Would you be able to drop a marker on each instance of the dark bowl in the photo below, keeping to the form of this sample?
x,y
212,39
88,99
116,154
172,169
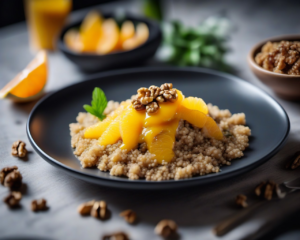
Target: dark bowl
x,y
284,85
90,62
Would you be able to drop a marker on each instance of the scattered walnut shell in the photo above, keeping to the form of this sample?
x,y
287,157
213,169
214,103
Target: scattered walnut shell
x,y
99,210
166,228
10,177
295,162
13,199
18,149
39,205
116,236
129,216
241,200
85,208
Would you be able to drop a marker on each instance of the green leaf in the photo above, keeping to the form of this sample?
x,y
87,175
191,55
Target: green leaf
x,y
98,104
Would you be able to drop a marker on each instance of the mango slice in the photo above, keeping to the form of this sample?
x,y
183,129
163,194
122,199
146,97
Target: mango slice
x,y
112,134
141,36
212,130
194,117
131,127
110,37
165,113
194,103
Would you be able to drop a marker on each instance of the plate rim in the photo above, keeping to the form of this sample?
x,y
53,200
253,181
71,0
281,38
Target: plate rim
x,y
209,178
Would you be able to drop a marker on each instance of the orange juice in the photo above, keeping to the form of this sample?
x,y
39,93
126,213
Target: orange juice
x,y
45,19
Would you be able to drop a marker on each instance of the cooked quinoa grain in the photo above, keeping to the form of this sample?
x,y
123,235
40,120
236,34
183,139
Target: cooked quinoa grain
x,y
195,154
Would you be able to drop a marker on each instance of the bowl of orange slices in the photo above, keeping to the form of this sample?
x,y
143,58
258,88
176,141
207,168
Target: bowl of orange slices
x,y
103,41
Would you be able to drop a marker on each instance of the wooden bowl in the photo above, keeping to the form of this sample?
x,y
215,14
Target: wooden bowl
x,y
285,86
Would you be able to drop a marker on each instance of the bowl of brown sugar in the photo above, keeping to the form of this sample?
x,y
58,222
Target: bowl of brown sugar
x,y
276,62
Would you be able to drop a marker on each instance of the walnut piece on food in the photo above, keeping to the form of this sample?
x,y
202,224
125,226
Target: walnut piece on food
x,y
166,228
99,210
116,236
138,105
152,107
10,177
241,200
85,208
129,216
268,189
295,163
13,199
39,205
18,149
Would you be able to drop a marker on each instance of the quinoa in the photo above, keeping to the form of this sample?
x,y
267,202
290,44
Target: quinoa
x,y
195,154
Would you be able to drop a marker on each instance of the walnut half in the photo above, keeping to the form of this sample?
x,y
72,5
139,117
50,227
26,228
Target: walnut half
x,y
11,177
18,149
39,205
13,199
85,208
241,200
166,228
129,216
116,236
99,210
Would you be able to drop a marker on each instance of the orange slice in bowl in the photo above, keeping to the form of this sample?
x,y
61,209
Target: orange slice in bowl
x,y
141,36
73,40
28,85
110,37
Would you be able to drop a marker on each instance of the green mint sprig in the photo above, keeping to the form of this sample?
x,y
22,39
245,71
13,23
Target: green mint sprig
x,y
98,103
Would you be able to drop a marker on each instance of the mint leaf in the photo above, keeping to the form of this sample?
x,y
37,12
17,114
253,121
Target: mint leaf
x,y
98,104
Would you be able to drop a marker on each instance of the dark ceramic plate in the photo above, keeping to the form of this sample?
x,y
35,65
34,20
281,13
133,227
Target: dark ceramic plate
x,y
90,62
48,123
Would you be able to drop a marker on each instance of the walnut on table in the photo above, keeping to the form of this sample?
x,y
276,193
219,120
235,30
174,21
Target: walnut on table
x,y
99,210
241,200
85,208
10,177
166,228
39,205
129,216
13,199
295,162
116,236
268,189
18,149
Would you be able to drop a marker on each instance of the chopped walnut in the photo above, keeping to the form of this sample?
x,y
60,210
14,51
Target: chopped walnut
x,y
166,228
99,210
295,161
241,200
11,177
280,57
13,199
129,216
85,208
268,189
18,149
116,236
149,99
39,205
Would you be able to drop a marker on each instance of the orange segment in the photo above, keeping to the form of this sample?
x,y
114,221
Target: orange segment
x,y
112,134
131,127
127,31
195,103
212,130
110,37
141,36
91,31
98,129
194,117
73,41
166,112
160,140
30,82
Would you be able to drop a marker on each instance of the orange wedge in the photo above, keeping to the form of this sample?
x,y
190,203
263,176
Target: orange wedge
x,y
194,103
141,36
127,32
91,31
110,37
73,41
28,85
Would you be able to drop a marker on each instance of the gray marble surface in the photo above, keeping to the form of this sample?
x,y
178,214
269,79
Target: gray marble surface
x,y
195,210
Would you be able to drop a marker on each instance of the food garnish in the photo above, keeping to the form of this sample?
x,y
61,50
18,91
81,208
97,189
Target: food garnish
x,y
98,104
28,85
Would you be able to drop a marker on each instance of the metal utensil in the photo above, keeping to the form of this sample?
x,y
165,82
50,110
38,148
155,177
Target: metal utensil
x,y
236,219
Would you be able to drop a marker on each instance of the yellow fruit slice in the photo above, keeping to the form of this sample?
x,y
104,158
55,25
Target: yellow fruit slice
x,y
110,37
195,103
131,127
212,130
127,31
98,129
73,41
112,134
160,140
28,84
165,113
194,117
141,36
91,31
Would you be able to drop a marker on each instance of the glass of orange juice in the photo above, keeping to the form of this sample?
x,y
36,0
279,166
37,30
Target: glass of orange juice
x,y
45,19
